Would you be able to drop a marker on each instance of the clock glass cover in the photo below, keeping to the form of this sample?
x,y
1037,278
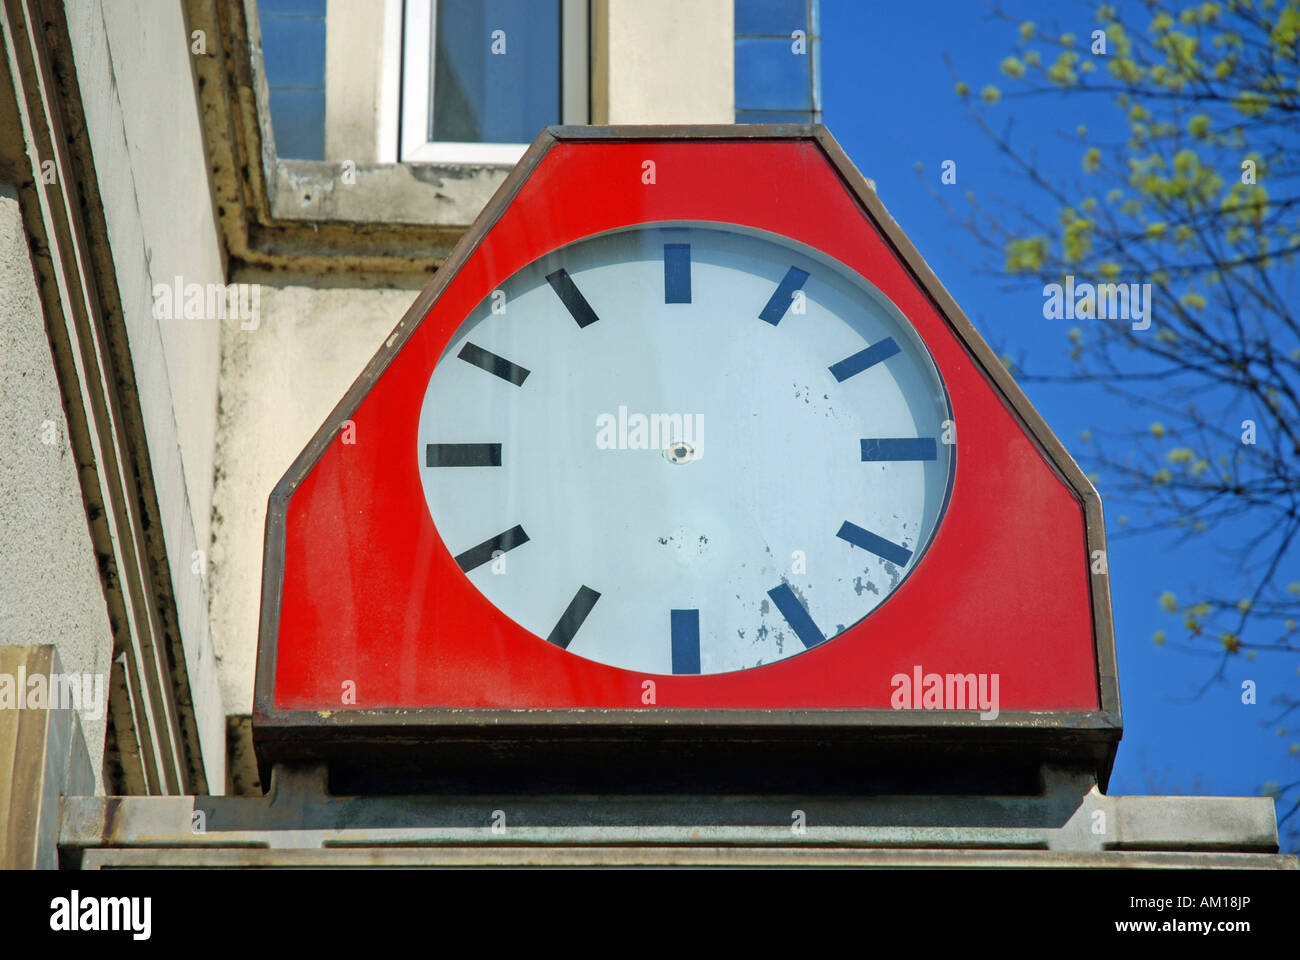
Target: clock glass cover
x,y
686,448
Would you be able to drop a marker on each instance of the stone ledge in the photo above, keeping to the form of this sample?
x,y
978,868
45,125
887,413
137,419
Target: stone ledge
x,y
1070,823
642,856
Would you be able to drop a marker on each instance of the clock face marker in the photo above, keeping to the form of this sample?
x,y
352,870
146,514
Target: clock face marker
x,y
885,549
779,302
677,273
462,454
576,612
874,354
899,448
686,640
481,554
572,298
796,615
497,366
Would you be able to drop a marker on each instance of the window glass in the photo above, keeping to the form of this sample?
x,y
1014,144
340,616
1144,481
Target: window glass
x,y
769,76
777,75
293,50
770,16
496,70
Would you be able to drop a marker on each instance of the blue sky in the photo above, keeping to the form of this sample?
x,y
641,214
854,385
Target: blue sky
x,y
888,98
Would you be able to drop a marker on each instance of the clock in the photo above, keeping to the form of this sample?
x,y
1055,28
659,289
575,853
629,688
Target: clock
x,y
686,448
661,471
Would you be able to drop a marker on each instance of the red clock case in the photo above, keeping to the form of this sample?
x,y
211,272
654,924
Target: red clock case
x,y
374,643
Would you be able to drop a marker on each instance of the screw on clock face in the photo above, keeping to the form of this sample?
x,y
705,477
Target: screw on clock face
x,y
807,409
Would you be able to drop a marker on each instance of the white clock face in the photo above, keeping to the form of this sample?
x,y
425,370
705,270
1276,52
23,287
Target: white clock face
x,y
686,449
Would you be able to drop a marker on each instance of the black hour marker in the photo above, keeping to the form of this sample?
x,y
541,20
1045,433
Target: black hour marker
x,y
576,612
686,640
885,549
462,454
572,299
497,366
863,359
796,615
779,302
900,448
477,556
677,273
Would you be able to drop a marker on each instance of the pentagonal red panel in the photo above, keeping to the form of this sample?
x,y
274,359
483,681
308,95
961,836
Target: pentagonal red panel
x,y
359,587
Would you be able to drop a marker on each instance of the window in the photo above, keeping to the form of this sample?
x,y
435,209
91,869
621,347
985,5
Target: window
x,y
778,50
480,78
293,48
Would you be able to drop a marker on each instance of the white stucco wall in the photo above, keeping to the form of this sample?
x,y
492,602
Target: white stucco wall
x,y
49,581
141,107
671,61
354,38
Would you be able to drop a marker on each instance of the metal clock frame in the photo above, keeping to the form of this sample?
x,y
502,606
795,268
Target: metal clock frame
x,y
744,739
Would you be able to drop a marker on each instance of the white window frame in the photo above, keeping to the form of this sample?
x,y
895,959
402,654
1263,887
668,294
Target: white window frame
x,y
414,22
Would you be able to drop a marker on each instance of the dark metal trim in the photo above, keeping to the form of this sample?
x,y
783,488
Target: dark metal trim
x,y
1093,734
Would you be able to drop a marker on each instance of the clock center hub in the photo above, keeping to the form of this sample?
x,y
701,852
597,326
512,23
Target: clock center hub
x,y
680,452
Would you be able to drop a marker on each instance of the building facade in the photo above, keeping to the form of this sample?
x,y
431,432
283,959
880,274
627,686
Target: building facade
x,y
212,214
